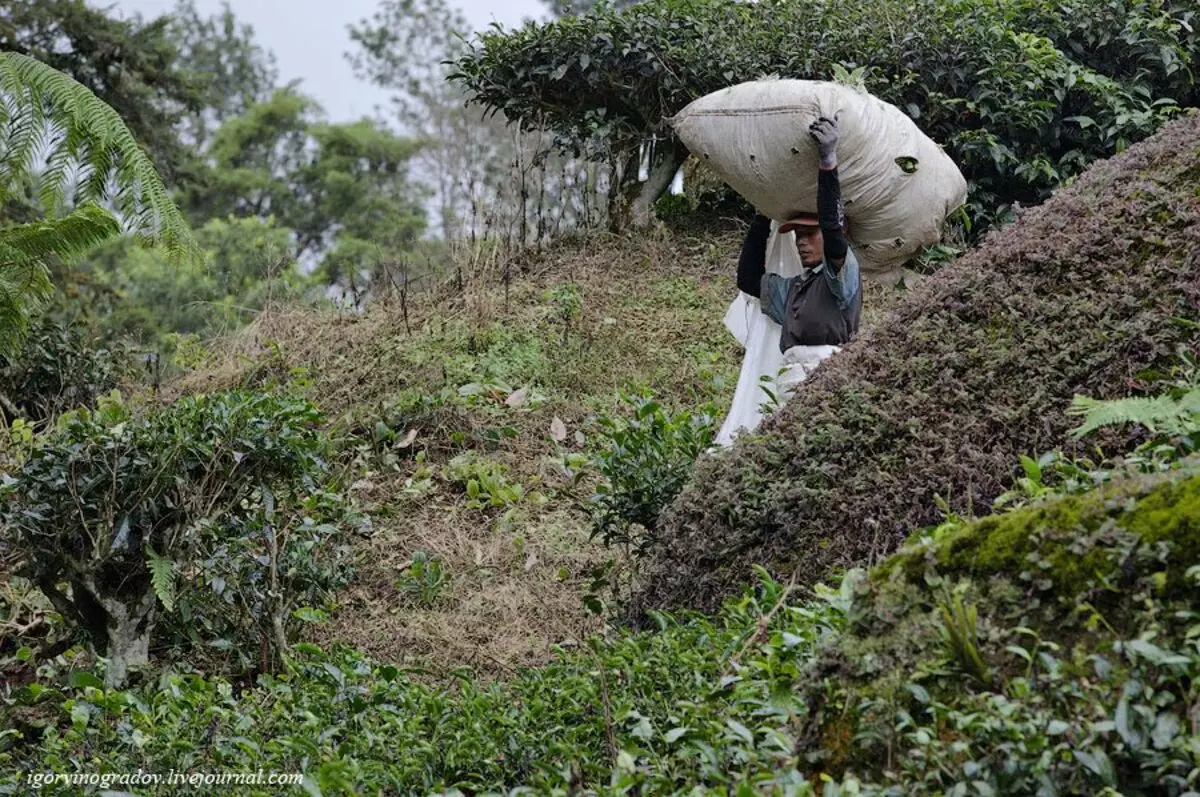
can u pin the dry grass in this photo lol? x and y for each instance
(651, 314)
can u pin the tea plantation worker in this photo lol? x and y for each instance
(819, 309)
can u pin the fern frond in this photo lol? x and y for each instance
(71, 235)
(1157, 414)
(23, 289)
(42, 101)
(162, 577)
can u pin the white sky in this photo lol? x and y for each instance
(309, 39)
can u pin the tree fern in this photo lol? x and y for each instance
(24, 249)
(162, 576)
(45, 113)
(90, 159)
(1160, 415)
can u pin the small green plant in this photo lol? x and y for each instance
(422, 581)
(484, 481)
(958, 631)
(772, 388)
(644, 461)
(567, 304)
(670, 207)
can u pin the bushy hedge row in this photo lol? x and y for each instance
(1088, 294)
(1008, 676)
(1023, 94)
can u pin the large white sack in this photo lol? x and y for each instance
(755, 137)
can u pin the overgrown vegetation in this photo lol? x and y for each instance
(336, 545)
(1092, 293)
(216, 511)
(1023, 95)
(1071, 617)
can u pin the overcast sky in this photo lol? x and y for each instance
(309, 39)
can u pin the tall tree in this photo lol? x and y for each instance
(336, 186)
(486, 175)
(221, 57)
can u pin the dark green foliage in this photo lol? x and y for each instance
(57, 369)
(645, 461)
(224, 486)
(1022, 94)
(253, 569)
(1052, 587)
(1083, 295)
(25, 250)
(848, 692)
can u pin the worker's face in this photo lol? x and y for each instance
(810, 245)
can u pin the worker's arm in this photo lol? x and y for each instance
(752, 263)
(829, 194)
(770, 289)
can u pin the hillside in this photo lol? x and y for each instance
(1095, 292)
(511, 574)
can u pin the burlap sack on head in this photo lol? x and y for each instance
(898, 186)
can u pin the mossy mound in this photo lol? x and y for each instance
(1084, 294)
(1013, 642)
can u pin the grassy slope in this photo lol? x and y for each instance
(974, 368)
(651, 310)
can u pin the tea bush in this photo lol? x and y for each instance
(57, 369)
(213, 517)
(1089, 674)
(1022, 94)
(644, 462)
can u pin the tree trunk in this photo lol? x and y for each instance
(662, 173)
(127, 630)
(635, 199)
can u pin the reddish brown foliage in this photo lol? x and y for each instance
(974, 368)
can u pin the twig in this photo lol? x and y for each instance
(763, 623)
(609, 736)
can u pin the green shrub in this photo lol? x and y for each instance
(1022, 94)
(57, 369)
(1087, 294)
(250, 571)
(1089, 686)
(213, 505)
(644, 461)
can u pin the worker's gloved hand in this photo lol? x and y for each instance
(825, 132)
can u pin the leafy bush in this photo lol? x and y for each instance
(253, 571)
(57, 369)
(1023, 95)
(1082, 614)
(645, 461)
(217, 494)
(1087, 294)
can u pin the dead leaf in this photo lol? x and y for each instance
(408, 439)
(530, 561)
(558, 429)
(517, 397)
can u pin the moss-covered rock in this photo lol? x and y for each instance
(1054, 593)
(975, 367)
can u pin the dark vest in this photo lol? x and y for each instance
(813, 317)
